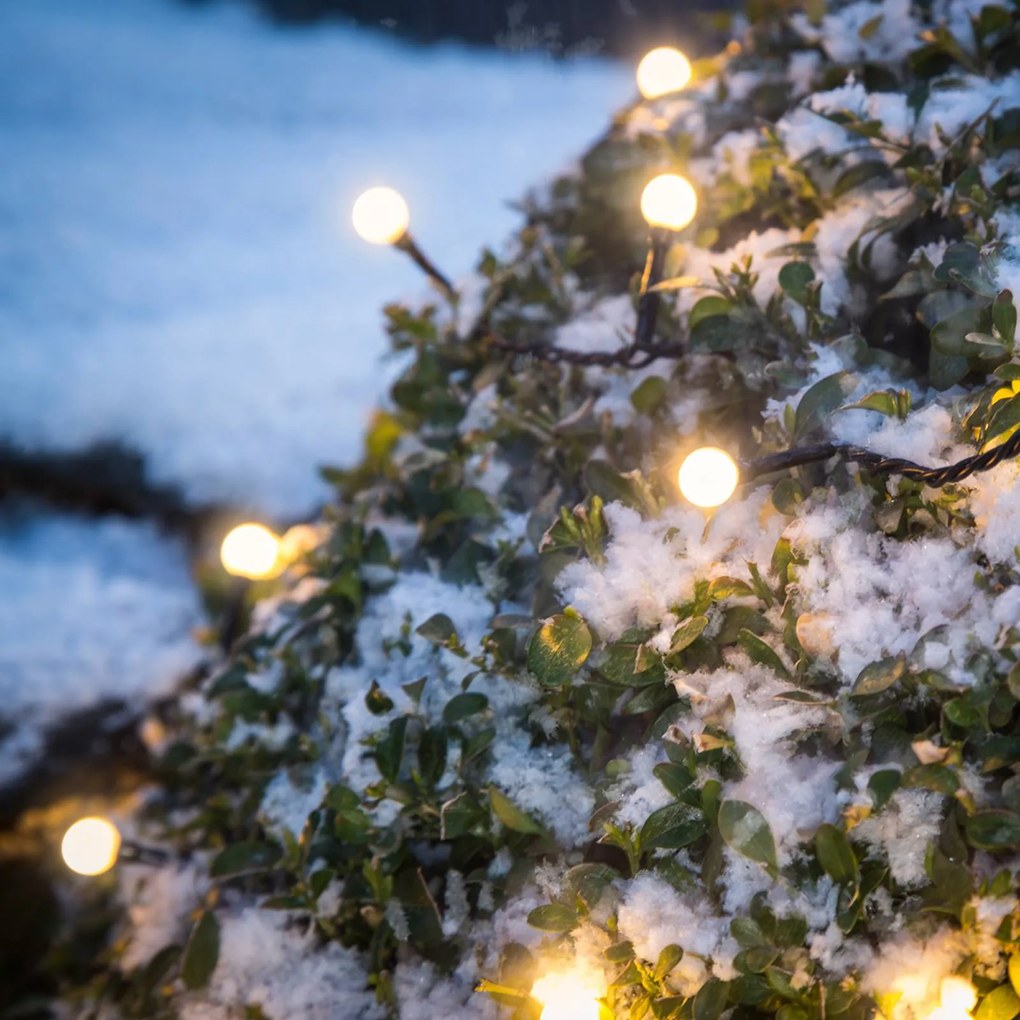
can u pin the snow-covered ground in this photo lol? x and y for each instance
(92, 611)
(177, 267)
(177, 271)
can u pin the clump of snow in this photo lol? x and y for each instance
(902, 832)
(272, 960)
(159, 902)
(653, 915)
(844, 37)
(651, 565)
(995, 501)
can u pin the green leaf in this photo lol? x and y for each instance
(1004, 317)
(438, 629)
(377, 701)
(510, 814)
(882, 785)
(993, 830)
(389, 752)
(949, 336)
(878, 676)
(835, 855)
(687, 633)
(676, 283)
(1005, 418)
(1000, 1003)
(1014, 972)
(675, 778)
(821, 400)
(707, 307)
(202, 951)
(649, 395)
(883, 401)
(460, 706)
(553, 917)
(762, 652)
(710, 1000)
(795, 278)
(460, 815)
(745, 830)
(243, 857)
(858, 175)
(668, 959)
(560, 647)
(672, 827)
(963, 263)
(721, 333)
(590, 881)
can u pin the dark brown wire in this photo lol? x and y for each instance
(936, 477)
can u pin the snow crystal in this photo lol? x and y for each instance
(653, 915)
(995, 501)
(287, 806)
(272, 960)
(902, 831)
(159, 901)
(645, 574)
(842, 37)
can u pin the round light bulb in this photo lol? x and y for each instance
(566, 997)
(957, 994)
(381, 216)
(669, 201)
(662, 71)
(90, 846)
(708, 476)
(252, 551)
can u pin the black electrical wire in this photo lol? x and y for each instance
(877, 462)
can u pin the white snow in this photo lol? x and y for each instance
(93, 610)
(178, 266)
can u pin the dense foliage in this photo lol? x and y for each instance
(522, 712)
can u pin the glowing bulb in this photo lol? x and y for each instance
(567, 997)
(669, 201)
(957, 994)
(90, 846)
(661, 71)
(252, 551)
(380, 216)
(708, 476)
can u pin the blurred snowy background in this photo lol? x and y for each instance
(178, 274)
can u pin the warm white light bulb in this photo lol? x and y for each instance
(957, 994)
(661, 71)
(566, 997)
(669, 201)
(90, 846)
(252, 551)
(381, 216)
(708, 476)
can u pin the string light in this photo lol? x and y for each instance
(91, 846)
(381, 216)
(567, 996)
(957, 995)
(668, 204)
(934, 477)
(252, 551)
(662, 71)
(708, 477)
(669, 201)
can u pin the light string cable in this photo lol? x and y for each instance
(935, 477)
